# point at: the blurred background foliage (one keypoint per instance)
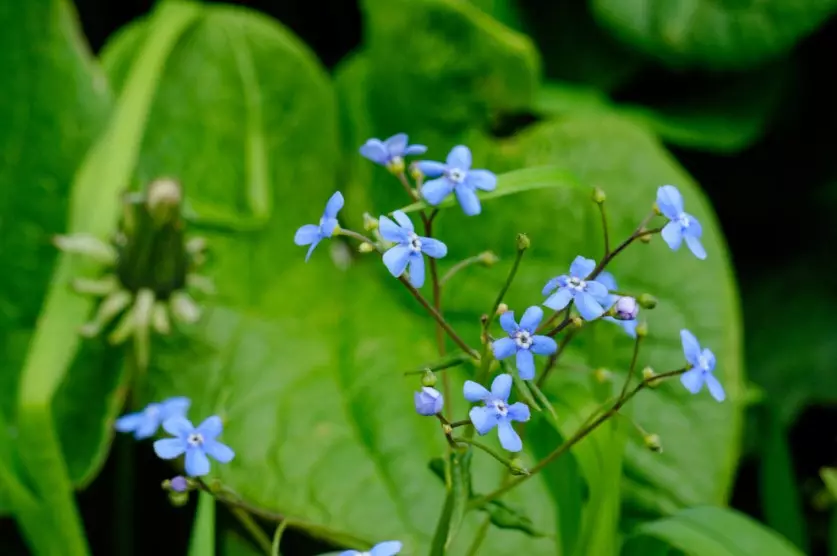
(621, 93)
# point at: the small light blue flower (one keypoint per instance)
(629, 325)
(429, 401)
(313, 234)
(523, 341)
(144, 424)
(456, 177)
(387, 548)
(196, 443)
(409, 249)
(179, 484)
(703, 363)
(588, 295)
(391, 152)
(681, 225)
(497, 412)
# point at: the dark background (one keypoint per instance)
(776, 201)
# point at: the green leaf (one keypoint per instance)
(712, 34)
(202, 541)
(829, 477)
(709, 531)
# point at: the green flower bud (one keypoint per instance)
(164, 198)
(599, 196)
(415, 172)
(523, 242)
(652, 442)
(369, 222)
(647, 374)
(428, 379)
(602, 375)
(502, 308)
(576, 322)
(366, 247)
(642, 329)
(645, 238)
(178, 499)
(517, 468)
(488, 258)
(647, 301)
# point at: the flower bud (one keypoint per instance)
(428, 402)
(642, 330)
(428, 379)
(447, 429)
(415, 172)
(648, 374)
(599, 196)
(647, 301)
(652, 442)
(602, 375)
(645, 237)
(523, 242)
(366, 247)
(488, 258)
(576, 322)
(517, 468)
(164, 198)
(369, 223)
(179, 484)
(178, 499)
(626, 308)
(502, 308)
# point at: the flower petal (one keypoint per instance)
(501, 387)
(416, 270)
(581, 267)
(483, 419)
(327, 226)
(306, 235)
(669, 201)
(350, 553)
(629, 326)
(696, 247)
(169, 448)
(395, 145)
(435, 191)
(508, 323)
(459, 157)
(219, 451)
(509, 439)
(607, 280)
(130, 422)
(694, 228)
(211, 427)
(175, 406)
(433, 247)
(691, 346)
(715, 387)
(519, 411)
(391, 231)
(147, 428)
(311, 249)
(197, 464)
(430, 168)
(531, 318)
(178, 426)
(587, 306)
(543, 345)
(403, 220)
(375, 151)
(554, 283)
(415, 149)
(559, 299)
(387, 548)
(503, 347)
(525, 364)
(468, 199)
(396, 259)
(481, 179)
(333, 206)
(692, 380)
(597, 290)
(710, 359)
(672, 235)
(475, 392)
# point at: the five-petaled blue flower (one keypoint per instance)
(703, 363)
(497, 412)
(457, 177)
(409, 249)
(523, 341)
(681, 225)
(429, 401)
(145, 423)
(196, 443)
(589, 295)
(391, 152)
(387, 548)
(628, 325)
(312, 234)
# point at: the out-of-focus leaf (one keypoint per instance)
(507, 517)
(506, 12)
(202, 541)
(829, 477)
(709, 531)
(712, 34)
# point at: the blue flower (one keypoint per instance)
(391, 153)
(457, 177)
(429, 401)
(388, 548)
(312, 234)
(497, 412)
(409, 249)
(703, 363)
(589, 295)
(179, 484)
(145, 423)
(628, 325)
(681, 225)
(523, 341)
(196, 443)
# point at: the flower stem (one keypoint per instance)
(277, 538)
(640, 231)
(452, 361)
(631, 368)
(479, 536)
(553, 359)
(464, 263)
(493, 313)
(259, 536)
(604, 229)
(354, 235)
(437, 305)
(572, 441)
(490, 451)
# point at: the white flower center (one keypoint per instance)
(523, 339)
(456, 175)
(396, 161)
(576, 283)
(195, 439)
(703, 362)
(501, 408)
(684, 220)
(415, 243)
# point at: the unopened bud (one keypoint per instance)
(647, 301)
(447, 429)
(602, 376)
(625, 308)
(428, 402)
(428, 379)
(523, 242)
(488, 258)
(652, 442)
(178, 484)
(576, 322)
(369, 222)
(415, 172)
(366, 247)
(599, 196)
(657, 210)
(642, 330)
(517, 468)
(647, 376)
(645, 237)
(178, 499)
(164, 198)
(502, 308)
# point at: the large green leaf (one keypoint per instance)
(721, 34)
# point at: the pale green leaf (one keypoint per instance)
(202, 540)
